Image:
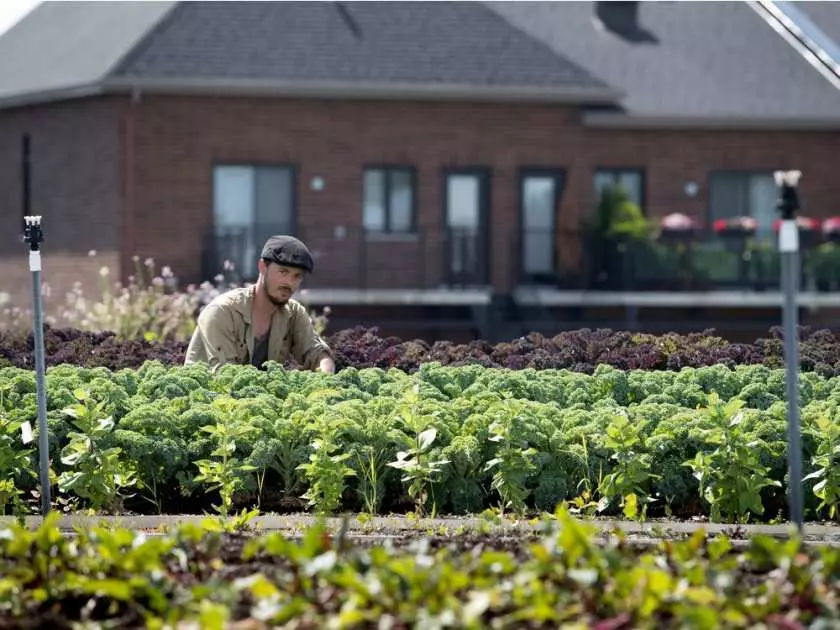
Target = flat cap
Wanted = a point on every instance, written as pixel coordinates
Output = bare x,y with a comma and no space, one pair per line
286,250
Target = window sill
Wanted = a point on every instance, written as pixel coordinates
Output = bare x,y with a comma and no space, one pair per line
391,237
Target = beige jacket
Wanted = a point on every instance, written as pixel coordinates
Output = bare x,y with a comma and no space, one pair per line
224,333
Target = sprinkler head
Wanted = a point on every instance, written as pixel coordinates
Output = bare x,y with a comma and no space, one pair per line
32,232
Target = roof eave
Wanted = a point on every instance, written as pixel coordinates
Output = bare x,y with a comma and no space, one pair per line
43,97
605,120
364,90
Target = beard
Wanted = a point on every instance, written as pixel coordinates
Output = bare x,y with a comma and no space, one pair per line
278,300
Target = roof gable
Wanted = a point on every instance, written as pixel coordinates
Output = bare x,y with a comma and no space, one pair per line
365,43
65,48
697,60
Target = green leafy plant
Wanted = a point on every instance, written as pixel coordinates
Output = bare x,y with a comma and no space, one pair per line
96,472
585,502
513,461
225,472
326,469
15,464
826,432
420,469
632,471
618,217
731,474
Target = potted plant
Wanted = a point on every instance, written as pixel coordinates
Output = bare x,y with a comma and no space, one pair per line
831,229
678,226
736,233
741,227
678,231
613,232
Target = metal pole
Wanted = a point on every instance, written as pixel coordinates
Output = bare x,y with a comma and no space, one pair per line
34,236
788,204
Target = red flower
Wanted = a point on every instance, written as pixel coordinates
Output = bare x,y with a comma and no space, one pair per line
741,224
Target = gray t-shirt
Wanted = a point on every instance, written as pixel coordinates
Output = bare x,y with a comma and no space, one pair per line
260,350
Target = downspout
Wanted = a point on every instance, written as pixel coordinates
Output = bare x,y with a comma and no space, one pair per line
129,241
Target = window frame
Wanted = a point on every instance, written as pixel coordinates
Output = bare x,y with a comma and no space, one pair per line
211,263
484,174
388,169
560,176
615,171
255,164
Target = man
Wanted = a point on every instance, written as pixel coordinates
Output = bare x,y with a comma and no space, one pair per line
262,322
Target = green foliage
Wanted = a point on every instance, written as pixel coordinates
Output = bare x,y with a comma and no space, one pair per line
632,472
326,469
618,217
569,576
445,439
417,434
97,472
825,430
729,467
223,471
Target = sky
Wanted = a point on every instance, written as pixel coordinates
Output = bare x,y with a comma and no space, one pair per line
11,11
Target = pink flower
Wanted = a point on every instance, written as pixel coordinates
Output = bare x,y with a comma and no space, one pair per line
676,221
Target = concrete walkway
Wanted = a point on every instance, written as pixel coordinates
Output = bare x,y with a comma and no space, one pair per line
399,525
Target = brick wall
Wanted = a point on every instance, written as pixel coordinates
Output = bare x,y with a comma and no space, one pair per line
154,158
75,185
178,139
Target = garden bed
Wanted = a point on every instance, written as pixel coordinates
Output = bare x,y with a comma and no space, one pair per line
661,447
577,350
567,576
705,442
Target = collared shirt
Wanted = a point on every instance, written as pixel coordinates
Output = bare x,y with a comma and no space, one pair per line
224,333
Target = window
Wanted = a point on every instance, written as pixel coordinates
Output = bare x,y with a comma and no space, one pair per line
734,194
630,180
250,203
388,200
540,192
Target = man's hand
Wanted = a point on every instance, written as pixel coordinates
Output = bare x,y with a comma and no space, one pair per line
326,365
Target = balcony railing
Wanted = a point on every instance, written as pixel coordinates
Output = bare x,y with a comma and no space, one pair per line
361,259
569,260
434,258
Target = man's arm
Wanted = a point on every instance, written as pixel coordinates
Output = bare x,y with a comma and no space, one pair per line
213,341
308,347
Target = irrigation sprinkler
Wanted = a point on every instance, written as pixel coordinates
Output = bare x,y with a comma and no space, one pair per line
788,204
33,235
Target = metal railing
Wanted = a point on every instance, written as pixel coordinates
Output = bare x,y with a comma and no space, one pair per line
359,258
432,258
569,259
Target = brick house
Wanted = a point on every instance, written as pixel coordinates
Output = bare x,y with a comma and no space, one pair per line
437,157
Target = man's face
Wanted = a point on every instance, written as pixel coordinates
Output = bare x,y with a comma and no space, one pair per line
279,282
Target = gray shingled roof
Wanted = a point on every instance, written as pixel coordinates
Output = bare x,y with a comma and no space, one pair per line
65,48
702,59
460,43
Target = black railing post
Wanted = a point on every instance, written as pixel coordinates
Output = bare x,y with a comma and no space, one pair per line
421,246
362,258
